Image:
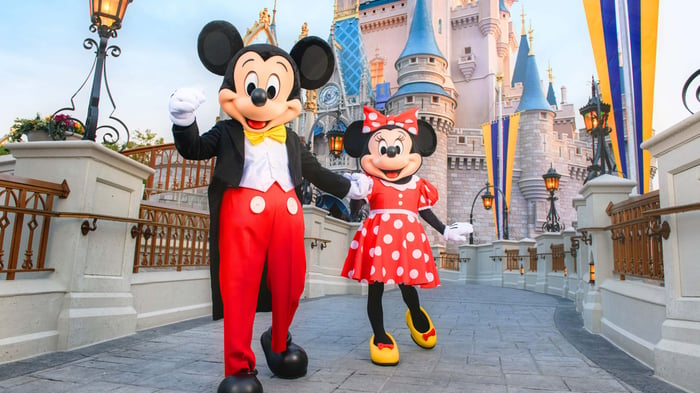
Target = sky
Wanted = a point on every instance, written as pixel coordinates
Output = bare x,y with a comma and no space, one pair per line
43,62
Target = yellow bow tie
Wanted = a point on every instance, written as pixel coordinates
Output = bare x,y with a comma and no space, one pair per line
278,133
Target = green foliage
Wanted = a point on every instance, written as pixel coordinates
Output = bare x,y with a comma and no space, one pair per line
57,127
138,139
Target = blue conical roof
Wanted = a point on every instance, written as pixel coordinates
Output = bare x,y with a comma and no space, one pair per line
421,39
533,96
520,61
551,97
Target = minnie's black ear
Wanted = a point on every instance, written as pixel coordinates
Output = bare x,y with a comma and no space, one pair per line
354,141
218,42
315,61
425,142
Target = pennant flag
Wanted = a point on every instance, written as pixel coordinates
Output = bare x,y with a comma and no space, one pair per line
602,27
500,173
643,20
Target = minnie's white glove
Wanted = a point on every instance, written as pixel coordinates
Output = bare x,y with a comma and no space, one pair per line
456,231
183,103
360,185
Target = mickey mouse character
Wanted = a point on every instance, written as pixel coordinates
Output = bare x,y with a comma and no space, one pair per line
257,225
391,247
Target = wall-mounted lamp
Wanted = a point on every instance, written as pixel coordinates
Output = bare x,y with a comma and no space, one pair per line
522,269
591,272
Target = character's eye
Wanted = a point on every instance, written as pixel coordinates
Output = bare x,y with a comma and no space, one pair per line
273,87
251,82
382,147
398,146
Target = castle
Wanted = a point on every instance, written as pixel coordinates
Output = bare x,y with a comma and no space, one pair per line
461,63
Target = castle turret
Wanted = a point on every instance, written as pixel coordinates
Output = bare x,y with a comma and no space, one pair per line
536,126
422,69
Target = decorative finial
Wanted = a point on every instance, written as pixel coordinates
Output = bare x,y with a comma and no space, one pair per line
274,12
549,71
532,51
304,31
522,18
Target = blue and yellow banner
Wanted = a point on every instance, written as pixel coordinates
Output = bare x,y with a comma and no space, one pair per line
494,168
643,21
602,27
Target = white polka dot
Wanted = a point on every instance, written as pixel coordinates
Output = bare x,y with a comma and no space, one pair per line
409,121
378,251
376,124
426,257
411,219
413,273
371,252
375,230
395,255
372,116
404,244
429,276
292,206
364,231
410,236
372,270
350,273
417,253
383,272
422,237
422,199
366,129
257,204
400,124
400,203
399,271
354,244
385,217
388,239
390,281
390,122
400,195
398,224
412,130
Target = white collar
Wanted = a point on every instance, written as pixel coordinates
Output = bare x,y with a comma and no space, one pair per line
410,185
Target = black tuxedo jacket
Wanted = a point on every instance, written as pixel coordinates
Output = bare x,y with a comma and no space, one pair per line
226,142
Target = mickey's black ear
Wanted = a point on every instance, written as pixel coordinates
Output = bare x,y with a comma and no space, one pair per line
425,142
218,42
354,141
315,61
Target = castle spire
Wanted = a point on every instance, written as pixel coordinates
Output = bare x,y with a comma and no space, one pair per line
421,39
522,18
551,96
521,57
531,52
533,96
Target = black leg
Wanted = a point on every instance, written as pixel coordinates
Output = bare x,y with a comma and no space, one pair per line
410,297
375,312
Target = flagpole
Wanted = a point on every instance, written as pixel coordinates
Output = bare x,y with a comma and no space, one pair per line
632,144
499,158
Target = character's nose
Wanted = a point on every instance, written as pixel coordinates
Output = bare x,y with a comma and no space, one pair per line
391,151
259,97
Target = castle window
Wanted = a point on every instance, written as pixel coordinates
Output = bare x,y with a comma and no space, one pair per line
439,26
578,150
409,100
376,69
413,60
468,50
461,140
431,60
543,115
436,100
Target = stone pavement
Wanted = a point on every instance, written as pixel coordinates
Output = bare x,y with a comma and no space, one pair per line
490,339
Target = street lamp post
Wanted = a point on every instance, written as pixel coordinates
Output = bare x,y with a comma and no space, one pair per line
106,17
595,118
551,182
487,201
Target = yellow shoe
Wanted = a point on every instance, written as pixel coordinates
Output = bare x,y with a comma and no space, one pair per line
425,340
384,354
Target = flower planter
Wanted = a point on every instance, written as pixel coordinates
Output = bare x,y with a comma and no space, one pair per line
39,135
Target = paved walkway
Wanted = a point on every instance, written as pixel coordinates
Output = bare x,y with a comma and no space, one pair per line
489,340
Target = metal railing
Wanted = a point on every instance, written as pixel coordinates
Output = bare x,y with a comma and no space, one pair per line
532,252
512,260
172,171
637,247
557,257
177,238
449,261
26,206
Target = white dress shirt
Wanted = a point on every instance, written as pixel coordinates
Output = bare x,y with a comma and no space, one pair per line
265,164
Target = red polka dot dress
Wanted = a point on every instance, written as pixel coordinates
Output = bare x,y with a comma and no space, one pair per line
391,245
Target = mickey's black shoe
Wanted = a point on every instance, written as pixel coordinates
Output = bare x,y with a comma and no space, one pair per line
289,364
244,382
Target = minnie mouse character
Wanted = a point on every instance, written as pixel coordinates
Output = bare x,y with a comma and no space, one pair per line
257,225
391,247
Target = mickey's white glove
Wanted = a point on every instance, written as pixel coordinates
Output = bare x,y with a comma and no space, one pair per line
183,103
456,231
360,185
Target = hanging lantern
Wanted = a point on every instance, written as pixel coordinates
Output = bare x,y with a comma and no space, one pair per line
108,14
595,113
591,272
551,179
487,199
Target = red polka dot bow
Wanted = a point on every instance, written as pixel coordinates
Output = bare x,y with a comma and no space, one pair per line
375,120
